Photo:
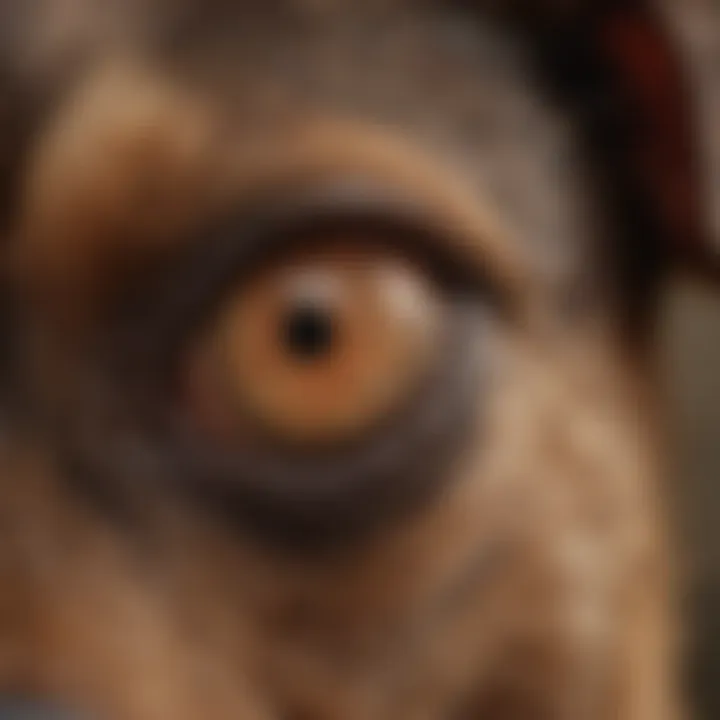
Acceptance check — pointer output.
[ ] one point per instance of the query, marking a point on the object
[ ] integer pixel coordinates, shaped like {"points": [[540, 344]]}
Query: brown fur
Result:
{"points": [[536, 584]]}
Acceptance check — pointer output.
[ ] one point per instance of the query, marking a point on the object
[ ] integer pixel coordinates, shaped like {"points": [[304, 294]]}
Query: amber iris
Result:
{"points": [[317, 346]]}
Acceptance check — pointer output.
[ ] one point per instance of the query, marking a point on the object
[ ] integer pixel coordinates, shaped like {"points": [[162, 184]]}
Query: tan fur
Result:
{"points": [[391, 630], [130, 164], [536, 586]]}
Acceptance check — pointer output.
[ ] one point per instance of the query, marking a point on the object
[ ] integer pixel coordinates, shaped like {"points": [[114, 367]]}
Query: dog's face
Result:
{"points": [[319, 393]]}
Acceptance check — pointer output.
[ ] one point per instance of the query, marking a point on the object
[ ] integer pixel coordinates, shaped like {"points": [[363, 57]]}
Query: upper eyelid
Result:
{"points": [[480, 252], [179, 298], [258, 230], [356, 168]]}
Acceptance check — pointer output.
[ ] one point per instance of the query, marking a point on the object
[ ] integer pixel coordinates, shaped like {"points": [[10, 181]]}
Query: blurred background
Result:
{"points": [[691, 362]]}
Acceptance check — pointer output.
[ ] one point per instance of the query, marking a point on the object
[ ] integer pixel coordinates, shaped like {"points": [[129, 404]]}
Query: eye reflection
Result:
{"points": [[318, 346]]}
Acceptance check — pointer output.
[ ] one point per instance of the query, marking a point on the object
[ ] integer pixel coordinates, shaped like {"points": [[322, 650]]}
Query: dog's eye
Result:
{"points": [[311, 364], [315, 347]]}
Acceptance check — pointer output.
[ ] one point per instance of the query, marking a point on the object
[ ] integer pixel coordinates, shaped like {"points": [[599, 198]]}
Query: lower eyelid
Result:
{"points": [[300, 484]]}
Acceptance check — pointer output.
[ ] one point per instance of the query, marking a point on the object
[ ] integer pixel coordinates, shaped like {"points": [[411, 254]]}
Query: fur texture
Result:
{"points": [[535, 583]]}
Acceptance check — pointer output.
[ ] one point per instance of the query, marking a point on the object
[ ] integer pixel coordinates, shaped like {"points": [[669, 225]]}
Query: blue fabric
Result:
{"points": [[22, 710]]}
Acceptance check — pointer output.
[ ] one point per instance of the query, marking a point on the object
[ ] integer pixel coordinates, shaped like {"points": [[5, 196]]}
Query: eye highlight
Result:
{"points": [[317, 347]]}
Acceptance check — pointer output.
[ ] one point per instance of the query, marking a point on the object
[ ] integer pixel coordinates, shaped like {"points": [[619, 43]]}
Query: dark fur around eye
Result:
{"points": [[296, 498], [126, 434]]}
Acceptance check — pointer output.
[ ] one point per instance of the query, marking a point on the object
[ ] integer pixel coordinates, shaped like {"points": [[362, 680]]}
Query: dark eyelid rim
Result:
{"points": [[260, 489], [182, 299]]}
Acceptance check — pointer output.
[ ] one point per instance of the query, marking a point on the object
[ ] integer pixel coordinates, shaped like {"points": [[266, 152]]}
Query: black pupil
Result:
{"points": [[308, 330]]}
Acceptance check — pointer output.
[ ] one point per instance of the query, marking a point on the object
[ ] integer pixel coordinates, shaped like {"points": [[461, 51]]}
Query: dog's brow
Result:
{"points": [[132, 166]]}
